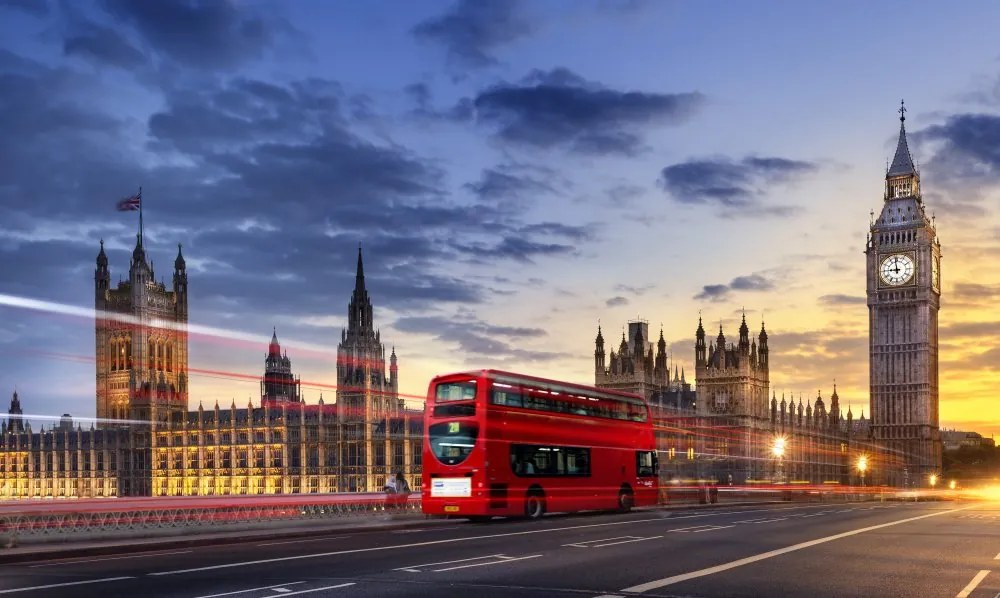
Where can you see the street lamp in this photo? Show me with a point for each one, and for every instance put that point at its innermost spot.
(952, 484)
(778, 450)
(862, 468)
(933, 480)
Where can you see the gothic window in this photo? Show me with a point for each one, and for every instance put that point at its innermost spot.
(170, 358)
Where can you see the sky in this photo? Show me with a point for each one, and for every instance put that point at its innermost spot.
(515, 172)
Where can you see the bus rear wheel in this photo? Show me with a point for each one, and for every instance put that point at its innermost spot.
(625, 500)
(534, 505)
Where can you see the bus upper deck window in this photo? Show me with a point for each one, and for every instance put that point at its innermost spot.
(455, 391)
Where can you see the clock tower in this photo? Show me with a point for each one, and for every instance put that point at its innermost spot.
(904, 296)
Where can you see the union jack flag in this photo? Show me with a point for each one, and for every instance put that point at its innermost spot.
(130, 204)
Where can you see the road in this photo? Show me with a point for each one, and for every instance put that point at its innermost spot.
(856, 549)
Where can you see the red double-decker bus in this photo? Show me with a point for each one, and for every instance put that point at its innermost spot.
(497, 443)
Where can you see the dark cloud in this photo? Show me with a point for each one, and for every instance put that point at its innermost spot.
(508, 183)
(616, 301)
(558, 108)
(103, 45)
(728, 184)
(842, 300)
(754, 282)
(481, 342)
(267, 185)
(713, 292)
(38, 8)
(200, 34)
(722, 292)
(472, 30)
(970, 150)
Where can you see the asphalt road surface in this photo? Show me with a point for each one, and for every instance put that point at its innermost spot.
(856, 549)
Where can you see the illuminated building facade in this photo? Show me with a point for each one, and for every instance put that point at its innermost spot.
(281, 445)
(727, 428)
(62, 461)
(635, 368)
(141, 340)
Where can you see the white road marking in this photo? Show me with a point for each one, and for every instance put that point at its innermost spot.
(451, 541)
(399, 546)
(659, 583)
(62, 585)
(587, 543)
(625, 541)
(414, 568)
(280, 585)
(343, 585)
(972, 584)
(609, 596)
(282, 590)
(713, 528)
(506, 559)
(996, 558)
(699, 528)
(303, 541)
(110, 558)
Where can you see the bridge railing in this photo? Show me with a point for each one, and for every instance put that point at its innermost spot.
(58, 520)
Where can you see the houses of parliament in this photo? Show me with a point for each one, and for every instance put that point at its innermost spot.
(729, 426)
(148, 442)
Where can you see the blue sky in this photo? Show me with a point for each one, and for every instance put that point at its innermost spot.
(516, 171)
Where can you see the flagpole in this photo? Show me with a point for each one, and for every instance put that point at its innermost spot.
(140, 214)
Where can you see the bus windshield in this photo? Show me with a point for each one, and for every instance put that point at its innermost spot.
(451, 442)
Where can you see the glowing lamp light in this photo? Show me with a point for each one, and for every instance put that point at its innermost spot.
(778, 448)
(952, 484)
(862, 463)
(933, 480)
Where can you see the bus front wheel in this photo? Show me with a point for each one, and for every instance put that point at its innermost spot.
(625, 500)
(534, 505)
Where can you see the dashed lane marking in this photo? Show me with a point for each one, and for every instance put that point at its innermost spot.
(972, 584)
(450, 541)
(416, 568)
(699, 528)
(280, 585)
(503, 559)
(610, 541)
(713, 528)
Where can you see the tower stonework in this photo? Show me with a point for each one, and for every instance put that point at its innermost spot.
(904, 295)
(733, 382)
(141, 340)
(368, 401)
(279, 384)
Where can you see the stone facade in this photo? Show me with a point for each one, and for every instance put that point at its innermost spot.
(149, 444)
(904, 297)
(141, 351)
(726, 428)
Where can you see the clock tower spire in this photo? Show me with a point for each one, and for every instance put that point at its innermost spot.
(904, 297)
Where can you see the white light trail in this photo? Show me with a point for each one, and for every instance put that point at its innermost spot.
(96, 420)
(92, 314)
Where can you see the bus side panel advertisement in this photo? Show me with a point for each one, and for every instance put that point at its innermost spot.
(451, 487)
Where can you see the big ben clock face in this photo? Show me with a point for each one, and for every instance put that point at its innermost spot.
(896, 269)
